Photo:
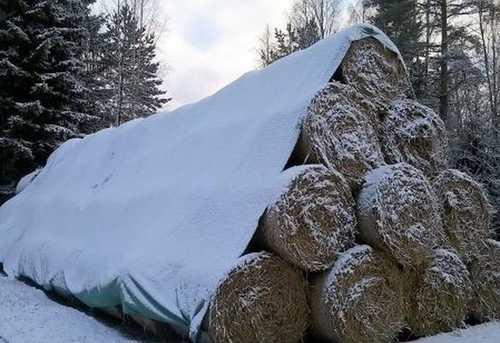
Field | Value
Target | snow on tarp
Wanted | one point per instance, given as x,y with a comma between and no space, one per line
150,215
26,180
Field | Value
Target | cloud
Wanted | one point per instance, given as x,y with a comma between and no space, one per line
209,43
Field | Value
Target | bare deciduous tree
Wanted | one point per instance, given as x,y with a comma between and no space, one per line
325,13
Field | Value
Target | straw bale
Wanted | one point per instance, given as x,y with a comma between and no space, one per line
465,212
414,134
262,299
398,212
359,300
313,220
441,296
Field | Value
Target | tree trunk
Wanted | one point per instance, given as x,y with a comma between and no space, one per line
494,77
444,78
141,21
490,62
120,93
427,45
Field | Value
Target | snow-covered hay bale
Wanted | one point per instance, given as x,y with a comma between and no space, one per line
359,300
441,297
414,134
485,273
338,131
336,91
313,220
398,213
375,71
465,212
262,299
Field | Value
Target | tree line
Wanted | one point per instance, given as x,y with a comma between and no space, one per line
67,71
452,51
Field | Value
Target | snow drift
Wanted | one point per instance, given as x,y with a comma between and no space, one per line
150,216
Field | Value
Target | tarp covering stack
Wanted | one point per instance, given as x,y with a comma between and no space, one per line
154,218
150,216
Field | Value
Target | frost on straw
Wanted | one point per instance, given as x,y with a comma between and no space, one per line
465,212
441,296
359,300
485,271
414,134
375,71
339,132
398,213
313,220
262,299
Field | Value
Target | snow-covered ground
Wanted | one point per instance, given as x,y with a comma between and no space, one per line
27,315
486,333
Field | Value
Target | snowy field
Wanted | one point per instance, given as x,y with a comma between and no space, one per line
27,315
487,333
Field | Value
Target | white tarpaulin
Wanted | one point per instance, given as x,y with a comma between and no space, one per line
150,215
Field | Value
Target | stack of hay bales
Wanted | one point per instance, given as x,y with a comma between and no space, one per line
372,235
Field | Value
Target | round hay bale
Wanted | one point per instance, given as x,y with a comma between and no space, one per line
338,132
313,220
485,274
441,297
262,299
335,92
398,213
359,300
465,212
414,134
375,71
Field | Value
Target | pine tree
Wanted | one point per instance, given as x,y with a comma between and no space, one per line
131,72
286,42
97,92
41,90
307,35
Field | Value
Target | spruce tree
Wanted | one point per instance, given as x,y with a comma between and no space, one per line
131,70
97,93
307,35
289,41
400,19
42,95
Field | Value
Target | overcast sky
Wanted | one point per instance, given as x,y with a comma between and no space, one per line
209,43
